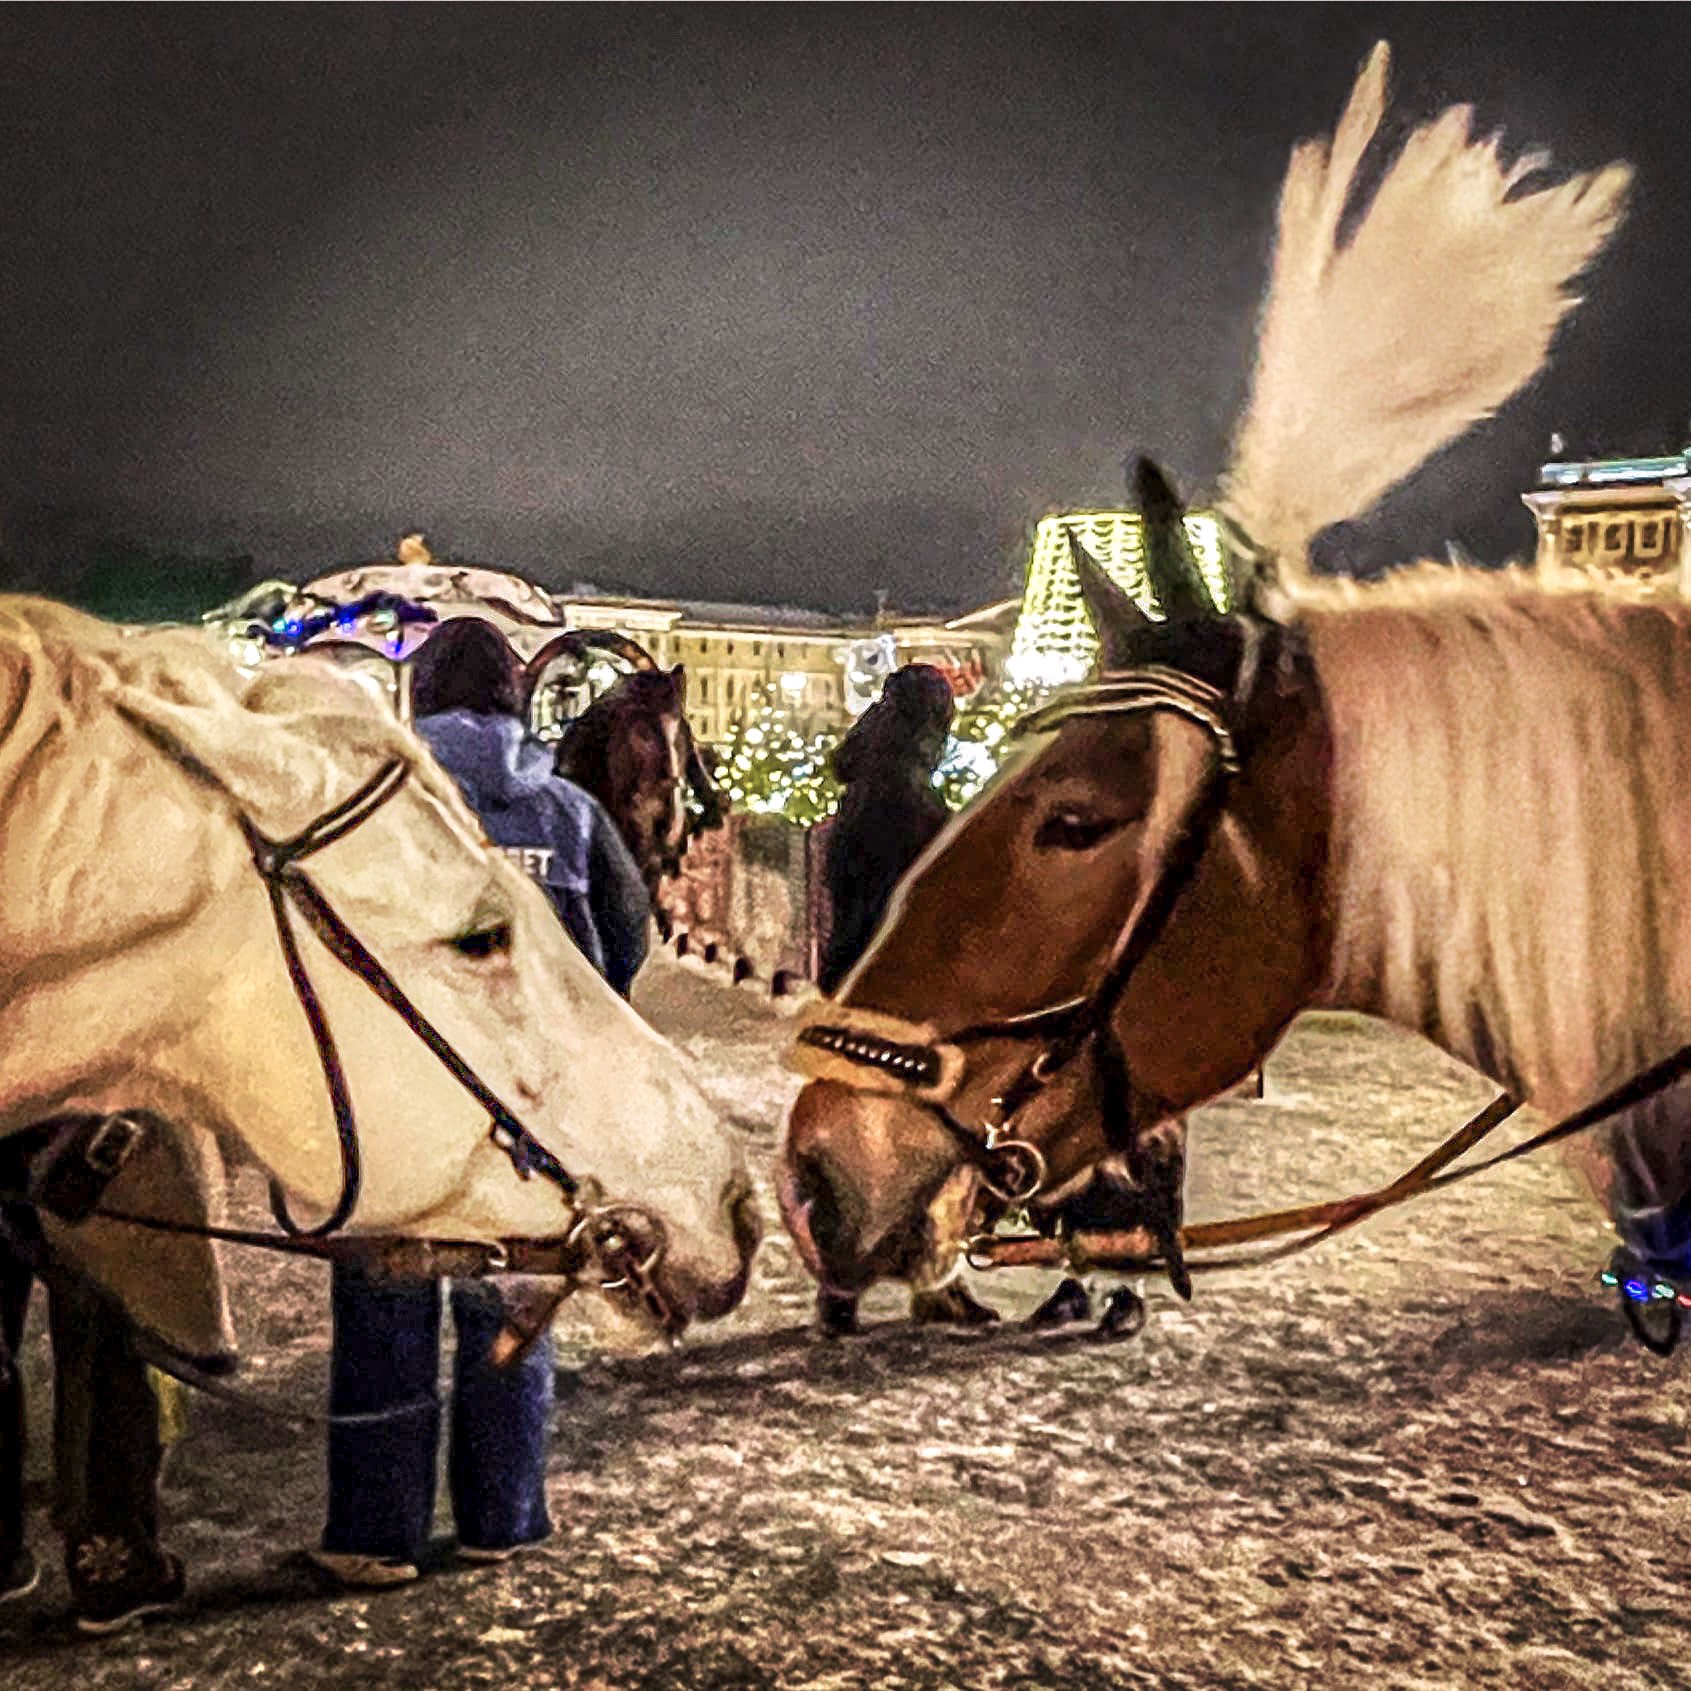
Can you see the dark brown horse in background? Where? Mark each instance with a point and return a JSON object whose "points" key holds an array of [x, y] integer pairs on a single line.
{"points": [[633, 749]]}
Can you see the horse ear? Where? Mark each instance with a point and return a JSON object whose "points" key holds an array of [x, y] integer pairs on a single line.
{"points": [[1169, 566], [678, 680], [1117, 621]]}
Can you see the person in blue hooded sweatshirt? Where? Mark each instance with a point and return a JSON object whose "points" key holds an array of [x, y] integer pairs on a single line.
{"points": [[467, 702]]}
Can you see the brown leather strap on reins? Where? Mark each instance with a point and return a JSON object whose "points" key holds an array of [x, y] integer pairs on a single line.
{"points": [[385, 1253], [1133, 1250]]}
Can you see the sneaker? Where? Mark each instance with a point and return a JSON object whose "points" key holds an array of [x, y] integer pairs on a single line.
{"points": [[116, 1584], [367, 1573], [475, 1553], [1065, 1307], [21, 1576], [1124, 1314]]}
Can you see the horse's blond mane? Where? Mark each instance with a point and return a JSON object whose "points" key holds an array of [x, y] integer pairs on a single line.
{"points": [[1508, 768], [1429, 583]]}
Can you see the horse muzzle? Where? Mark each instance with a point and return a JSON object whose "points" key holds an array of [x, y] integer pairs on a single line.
{"points": [[853, 1181], [692, 1286]]}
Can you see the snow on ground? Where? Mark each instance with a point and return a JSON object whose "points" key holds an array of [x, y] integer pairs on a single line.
{"points": [[1425, 1456]]}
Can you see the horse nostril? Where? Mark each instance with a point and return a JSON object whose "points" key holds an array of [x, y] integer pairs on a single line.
{"points": [[829, 1226], [744, 1216]]}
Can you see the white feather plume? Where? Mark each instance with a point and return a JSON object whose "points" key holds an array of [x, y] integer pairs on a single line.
{"points": [[1373, 354]]}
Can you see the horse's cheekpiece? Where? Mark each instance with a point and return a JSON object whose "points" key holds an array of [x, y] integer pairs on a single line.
{"points": [[1653, 1301]]}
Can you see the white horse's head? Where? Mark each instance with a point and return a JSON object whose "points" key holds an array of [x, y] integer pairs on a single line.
{"points": [[140, 967]]}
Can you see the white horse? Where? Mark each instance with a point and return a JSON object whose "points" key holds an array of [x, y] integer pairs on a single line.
{"points": [[141, 968]]}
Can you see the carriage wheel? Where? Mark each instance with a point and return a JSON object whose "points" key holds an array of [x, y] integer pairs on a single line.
{"points": [[1656, 1325]]}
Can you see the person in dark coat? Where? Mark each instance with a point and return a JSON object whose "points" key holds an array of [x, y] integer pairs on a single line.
{"points": [[467, 703], [107, 1452], [890, 811]]}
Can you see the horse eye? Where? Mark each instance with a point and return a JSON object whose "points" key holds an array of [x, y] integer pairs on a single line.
{"points": [[1073, 830], [492, 941]]}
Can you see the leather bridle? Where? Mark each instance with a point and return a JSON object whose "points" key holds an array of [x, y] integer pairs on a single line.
{"points": [[1014, 1169], [625, 1242], [277, 862]]}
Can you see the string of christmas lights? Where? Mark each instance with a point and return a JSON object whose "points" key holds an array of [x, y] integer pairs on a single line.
{"points": [[768, 765]]}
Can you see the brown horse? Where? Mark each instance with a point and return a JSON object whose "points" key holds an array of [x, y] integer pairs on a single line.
{"points": [[633, 749], [1462, 804]]}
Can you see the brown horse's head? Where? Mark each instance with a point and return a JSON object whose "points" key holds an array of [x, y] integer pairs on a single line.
{"points": [[1045, 893], [633, 750]]}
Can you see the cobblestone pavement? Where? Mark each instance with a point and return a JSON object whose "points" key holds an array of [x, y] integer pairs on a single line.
{"points": [[1425, 1456]]}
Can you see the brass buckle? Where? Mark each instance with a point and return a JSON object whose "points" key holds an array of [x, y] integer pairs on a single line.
{"points": [[112, 1143]]}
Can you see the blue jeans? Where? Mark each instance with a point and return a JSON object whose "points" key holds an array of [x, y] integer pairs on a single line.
{"points": [[386, 1363]]}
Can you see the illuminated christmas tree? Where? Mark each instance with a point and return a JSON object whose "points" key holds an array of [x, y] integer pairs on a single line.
{"points": [[767, 765], [1054, 643], [980, 740]]}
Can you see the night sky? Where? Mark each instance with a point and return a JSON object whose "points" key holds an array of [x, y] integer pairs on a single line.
{"points": [[757, 304]]}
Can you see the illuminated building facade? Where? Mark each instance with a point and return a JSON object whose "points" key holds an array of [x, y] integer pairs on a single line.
{"points": [[744, 658], [1616, 516]]}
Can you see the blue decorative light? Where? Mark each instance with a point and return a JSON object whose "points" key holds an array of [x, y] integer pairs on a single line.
{"points": [[385, 611]]}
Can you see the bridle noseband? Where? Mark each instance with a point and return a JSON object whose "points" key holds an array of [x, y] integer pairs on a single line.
{"points": [[1013, 1169]]}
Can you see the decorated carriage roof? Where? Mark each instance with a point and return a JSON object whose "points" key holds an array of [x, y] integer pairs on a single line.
{"points": [[390, 605], [523, 612]]}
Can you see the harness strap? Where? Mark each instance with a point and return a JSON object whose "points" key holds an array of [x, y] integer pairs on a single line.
{"points": [[528, 1156], [332, 825], [1319, 1222], [277, 862], [329, 1059]]}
